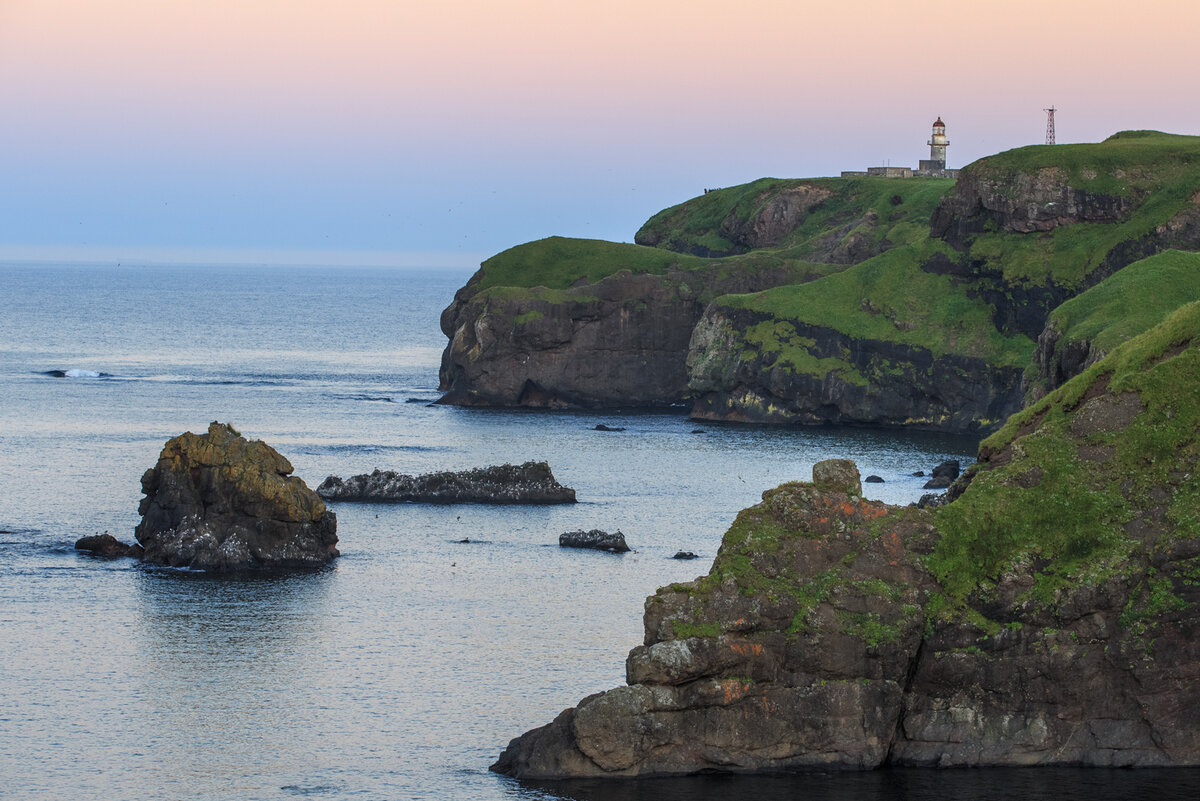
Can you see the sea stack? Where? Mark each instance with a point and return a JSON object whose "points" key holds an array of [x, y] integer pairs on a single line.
{"points": [[220, 502]]}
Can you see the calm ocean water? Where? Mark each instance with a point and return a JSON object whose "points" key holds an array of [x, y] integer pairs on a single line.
{"points": [[403, 670]]}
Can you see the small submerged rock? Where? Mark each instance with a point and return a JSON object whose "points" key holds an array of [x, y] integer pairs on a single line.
{"points": [[873, 480], [685, 555], [107, 546], [595, 539], [603, 427], [531, 482]]}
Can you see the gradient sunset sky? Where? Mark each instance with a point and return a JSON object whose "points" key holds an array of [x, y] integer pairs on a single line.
{"points": [[397, 132]]}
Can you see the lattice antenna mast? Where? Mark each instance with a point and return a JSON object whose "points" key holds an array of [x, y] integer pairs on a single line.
{"points": [[1049, 124]]}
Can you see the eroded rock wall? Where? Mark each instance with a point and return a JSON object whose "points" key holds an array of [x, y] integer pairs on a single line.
{"points": [[621, 341], [838, 379]]}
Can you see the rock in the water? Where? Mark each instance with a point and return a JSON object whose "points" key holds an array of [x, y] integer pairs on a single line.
{"points": [[948, 469], [595, 539], [919, 474], [603, 427], [873, 480], [685, 555], [108, 546], [938, 482], [531, 482], [218, 501]]}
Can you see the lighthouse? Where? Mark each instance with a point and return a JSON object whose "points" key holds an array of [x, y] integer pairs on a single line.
{"points": [[937, 145]]}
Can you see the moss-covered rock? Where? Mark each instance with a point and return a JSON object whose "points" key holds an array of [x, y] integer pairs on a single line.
{"points": [[218, 501]]}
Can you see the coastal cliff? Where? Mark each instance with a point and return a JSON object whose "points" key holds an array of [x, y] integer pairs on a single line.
{"points": [[581, 323], [583, 340], [1048, 615], [901, 302]]}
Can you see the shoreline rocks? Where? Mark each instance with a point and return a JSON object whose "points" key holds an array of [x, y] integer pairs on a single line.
{"points": [[528, 483], [220, 502], [595, 539]]}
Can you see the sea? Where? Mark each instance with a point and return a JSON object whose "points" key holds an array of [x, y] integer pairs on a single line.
{"points": [[404, 668]]}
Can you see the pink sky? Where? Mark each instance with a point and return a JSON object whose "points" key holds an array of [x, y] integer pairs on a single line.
{"points": [[466, 127]]}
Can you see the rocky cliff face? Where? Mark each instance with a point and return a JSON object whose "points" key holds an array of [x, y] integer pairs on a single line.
{"points": [[1048, 615], [620, 341], [1020, 202], [219, 502], [829, 377]]}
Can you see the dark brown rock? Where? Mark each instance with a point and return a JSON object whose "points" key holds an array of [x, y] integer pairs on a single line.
{"points": [[595, 540], [220, 502], [107, 546], [530, 483]]}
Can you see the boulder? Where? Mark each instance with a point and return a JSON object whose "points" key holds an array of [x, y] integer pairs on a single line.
{"points": [[531, 482], [685, 555], [107, 546], [837, 475], [873, 480], [949, 469], [594, 539], [220, 502], [938, 482]]}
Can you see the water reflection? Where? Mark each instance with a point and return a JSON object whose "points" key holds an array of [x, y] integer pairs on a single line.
{"points": [[980, 784]]}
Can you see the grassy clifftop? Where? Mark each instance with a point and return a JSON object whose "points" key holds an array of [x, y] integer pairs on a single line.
{"points": [[891, 299], [812, 217]]}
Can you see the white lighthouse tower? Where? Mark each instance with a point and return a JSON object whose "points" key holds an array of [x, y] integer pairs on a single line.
{"points": [[937, 147]]}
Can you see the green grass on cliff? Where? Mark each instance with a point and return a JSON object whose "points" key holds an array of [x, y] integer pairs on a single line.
{"points": [[890, 298], [1054, 497], [1126, 163], [903, 207], [1158, 173], [1130, 302], [559, 263]]}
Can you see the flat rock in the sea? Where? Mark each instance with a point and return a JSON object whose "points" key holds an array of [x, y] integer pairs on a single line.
{"points": [[595, 539], [220, 502], [107, 546], [531, 482]]}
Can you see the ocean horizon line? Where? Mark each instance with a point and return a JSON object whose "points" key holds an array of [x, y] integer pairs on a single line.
{"points": [[292, 257]]}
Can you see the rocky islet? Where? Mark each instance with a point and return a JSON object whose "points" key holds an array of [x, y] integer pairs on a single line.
{"points": [[528, 483], [219, 502]]}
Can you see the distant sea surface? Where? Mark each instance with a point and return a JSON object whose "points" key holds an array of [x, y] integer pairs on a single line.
{"points": [[401, 671]]}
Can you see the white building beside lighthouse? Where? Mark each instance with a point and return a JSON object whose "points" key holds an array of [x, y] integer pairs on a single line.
{"points": [[932, 167]]}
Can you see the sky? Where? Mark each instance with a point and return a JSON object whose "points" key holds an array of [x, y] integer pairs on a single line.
{"points": [[440, 132]]}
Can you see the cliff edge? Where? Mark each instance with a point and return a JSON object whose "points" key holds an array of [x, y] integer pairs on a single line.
{"points": [[1049, 615]]}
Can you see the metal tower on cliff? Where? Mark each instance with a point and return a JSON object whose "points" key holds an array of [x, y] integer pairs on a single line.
{"points": [[1049, 124]]}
